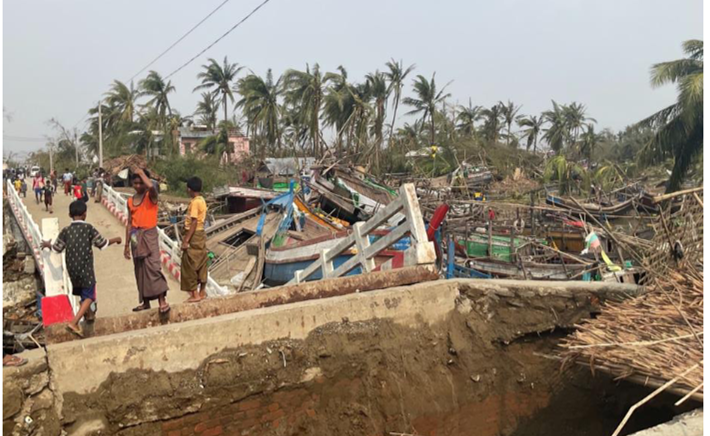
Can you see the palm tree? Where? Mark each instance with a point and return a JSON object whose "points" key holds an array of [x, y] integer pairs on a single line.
{"points": [[295, 133], [396, 75], [426, 100], [678, 127], [157, 89], [361, 117], [567, 173], [576, 119], [409, 134], [338, 104], [207, 110], [508, 112], [589, 140], [492, 124], [467, 117], [260, 103], [219, 77], [533, 127], [557, 133], [123, 99], [305, 89], [218, 144], [378, 90]]}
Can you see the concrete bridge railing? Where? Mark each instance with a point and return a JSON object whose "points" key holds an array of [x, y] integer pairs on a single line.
{"points": [[170, 251], [51, 265]]}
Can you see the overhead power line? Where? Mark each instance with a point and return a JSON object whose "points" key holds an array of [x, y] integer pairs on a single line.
{"points": [[262, 4], [178, 41]]}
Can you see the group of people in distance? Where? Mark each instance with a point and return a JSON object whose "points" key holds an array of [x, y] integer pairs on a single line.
{"points": [[42, 187], [141, 245]]}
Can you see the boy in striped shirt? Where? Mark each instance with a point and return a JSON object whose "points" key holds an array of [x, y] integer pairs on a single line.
{"points": [[77, 241]]}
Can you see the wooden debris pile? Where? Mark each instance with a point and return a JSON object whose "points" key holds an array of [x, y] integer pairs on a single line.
{"points": [[678, 238], [651, 339]]}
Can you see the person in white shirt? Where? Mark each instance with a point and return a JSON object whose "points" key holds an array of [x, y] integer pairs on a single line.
{"points": [[67, 178]]}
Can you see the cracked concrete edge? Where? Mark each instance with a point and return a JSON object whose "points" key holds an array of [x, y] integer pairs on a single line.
{"points": [[37, 363], [686, 424], [161, 348]]}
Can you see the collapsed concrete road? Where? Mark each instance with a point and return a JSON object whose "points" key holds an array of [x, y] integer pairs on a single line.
{"points": [[456, 357]]}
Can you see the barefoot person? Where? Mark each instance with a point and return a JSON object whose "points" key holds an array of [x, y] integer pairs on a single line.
{"points": [[48, 194], [77, 240], [193, 271], [142, 242]]}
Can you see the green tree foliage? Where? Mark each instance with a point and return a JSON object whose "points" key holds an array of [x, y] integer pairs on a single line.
{"points": [[467, 118], [509, 111], [207, 110], [157, 90], [426, 100], [678, 127], [493, 123], [178, 169], [304, 91], [314, 112], [532, 127], [260, 104], [396, 75], [219, 78], [568, 174]]}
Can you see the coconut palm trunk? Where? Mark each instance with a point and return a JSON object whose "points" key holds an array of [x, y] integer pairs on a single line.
{"points": [[224, 103]]}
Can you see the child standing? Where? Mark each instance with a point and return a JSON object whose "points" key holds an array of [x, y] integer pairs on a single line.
{"points": [[23, 188], [193, 273], [17, 183], [78, 195], [48, 194], [77, 240]]}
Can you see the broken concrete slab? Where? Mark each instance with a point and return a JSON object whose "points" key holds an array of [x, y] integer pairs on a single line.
{"points": [[686, 424]]}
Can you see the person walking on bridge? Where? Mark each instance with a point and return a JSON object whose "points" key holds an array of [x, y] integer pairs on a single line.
{"points": [[77, 241], [142, 242], [38, 186], [67, 179]]}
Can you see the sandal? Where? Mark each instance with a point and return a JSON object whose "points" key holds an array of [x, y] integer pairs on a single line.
{"points": [[140, 308], [10, 360], [165, 309], [74, 330]]}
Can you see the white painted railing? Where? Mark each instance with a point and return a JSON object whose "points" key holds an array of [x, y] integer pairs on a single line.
{"points": [[29, 228], [51, 266], [167, 245], [421, 251]]}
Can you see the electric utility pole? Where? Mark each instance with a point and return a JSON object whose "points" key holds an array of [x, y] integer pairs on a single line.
{"points": [[101, 140]]}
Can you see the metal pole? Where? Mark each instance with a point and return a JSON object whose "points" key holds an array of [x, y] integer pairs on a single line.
{"points": [[51, 159], [101, 140]]}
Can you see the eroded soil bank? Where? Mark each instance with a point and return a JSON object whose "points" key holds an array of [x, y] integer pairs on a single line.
{"points": [[484, 370]]}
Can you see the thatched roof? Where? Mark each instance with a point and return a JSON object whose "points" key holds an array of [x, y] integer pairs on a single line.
{"points": [[653, 338]]}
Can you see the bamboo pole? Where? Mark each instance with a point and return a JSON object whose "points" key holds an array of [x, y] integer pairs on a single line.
{"points": [[650, 396], [661, 198]]}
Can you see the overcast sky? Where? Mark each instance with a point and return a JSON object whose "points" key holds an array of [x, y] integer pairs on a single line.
{"points": [[61, 56]]}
